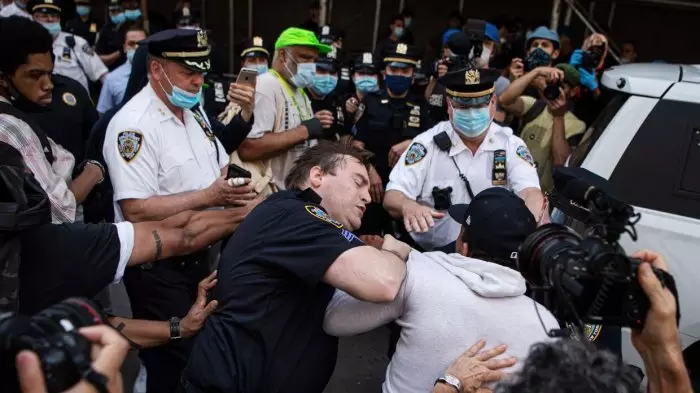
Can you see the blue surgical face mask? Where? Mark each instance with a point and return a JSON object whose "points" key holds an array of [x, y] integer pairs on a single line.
{"points": [[83, 10], [398, 32], [118, 19], [471, 122], [181, 98], [53, 27], [398, 84], [262, 68], [407, 21], [130, 55], [132, 14], [304, 76], [366, 84], [324, 84]]}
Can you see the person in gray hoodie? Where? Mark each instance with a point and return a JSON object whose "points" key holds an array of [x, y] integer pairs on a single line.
{"points": [[450, 301]]}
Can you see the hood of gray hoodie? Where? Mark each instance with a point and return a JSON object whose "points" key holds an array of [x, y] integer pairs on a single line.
{"points": [[484, 278]]}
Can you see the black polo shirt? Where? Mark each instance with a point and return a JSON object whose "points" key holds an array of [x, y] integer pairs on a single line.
{"points": [[71, 117], [267, 333], [111, 39], [59, 261], [86, 29]]}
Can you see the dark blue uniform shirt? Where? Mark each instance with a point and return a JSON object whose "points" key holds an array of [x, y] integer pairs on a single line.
{"points": [[266, 335]]}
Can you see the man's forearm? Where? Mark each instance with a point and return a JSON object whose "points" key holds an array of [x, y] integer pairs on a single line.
{"points": [[161, 207], [208, 227], [394, 202], [666, 371], [560, 147], [110, 58], [83, 184], [430, 88], [272, 144], [516, 89], [143, 333], [534, 200]]}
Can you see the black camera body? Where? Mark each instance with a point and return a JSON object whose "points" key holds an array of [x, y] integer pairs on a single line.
{"points": [[53, 335], [591, 58], [589, 279], [551, 92]]}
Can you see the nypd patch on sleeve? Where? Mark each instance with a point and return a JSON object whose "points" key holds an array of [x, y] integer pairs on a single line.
{"points": [[416, 152], [524, 153], [129, 143], [322, 215]]}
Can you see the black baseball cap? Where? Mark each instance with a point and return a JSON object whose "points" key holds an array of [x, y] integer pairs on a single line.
{"points": [[495, 222]]}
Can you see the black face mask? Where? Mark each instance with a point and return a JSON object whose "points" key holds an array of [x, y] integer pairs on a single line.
{"points": [[23, 203], [21, 102]]}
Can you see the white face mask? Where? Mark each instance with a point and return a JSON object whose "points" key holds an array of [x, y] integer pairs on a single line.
{"points": [[483, 61]]}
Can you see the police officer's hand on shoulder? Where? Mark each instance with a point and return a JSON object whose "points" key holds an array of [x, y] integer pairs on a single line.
{"points": [[419, 218], [200, 311]]}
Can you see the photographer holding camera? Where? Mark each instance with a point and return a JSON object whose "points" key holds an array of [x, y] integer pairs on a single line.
{"points": [[542, 47], [548, 128]]}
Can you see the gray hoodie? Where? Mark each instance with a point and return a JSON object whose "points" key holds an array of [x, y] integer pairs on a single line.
{"points": [[446, 304]]}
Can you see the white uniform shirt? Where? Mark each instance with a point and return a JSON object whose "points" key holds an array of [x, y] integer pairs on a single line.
{"points": [[150, 152], [436, 169], [272, 102], [66, 62], [12, 10]]}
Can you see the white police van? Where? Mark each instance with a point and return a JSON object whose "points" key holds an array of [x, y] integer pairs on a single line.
{"points": [[646, 142]]}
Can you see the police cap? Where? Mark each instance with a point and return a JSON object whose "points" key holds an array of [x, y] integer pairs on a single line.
{"points": [[401, 55], [189, 48], [186, 16], [330, 34], [458, 44], [47, 6], [254, 47], [329, 61], [84, 2], [365, 63], [470, 86], [115, 4]]}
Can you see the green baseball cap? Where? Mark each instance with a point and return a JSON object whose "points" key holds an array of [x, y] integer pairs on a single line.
{"points": [[295, 36], [571, 74]]}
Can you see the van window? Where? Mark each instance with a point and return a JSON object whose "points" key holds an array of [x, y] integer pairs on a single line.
{"points": [[660, 170], [593, 133]]}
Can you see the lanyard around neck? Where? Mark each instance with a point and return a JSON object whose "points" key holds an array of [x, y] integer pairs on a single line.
{"points": [[306, 114]]}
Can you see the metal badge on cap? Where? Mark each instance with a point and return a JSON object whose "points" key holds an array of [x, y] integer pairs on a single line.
{"points": [[472, 77], [326, 30], [202, 39], [257, 41], [185, 12], [401, 49], [367, 58]]}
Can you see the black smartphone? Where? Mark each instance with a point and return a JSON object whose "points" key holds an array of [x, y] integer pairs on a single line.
{"points": [[235, 171]]}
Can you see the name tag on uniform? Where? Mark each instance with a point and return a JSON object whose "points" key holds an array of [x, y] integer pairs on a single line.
{"points": [[219, 92], [66, 55], [499, 176], [93, 27], [435, 100]]}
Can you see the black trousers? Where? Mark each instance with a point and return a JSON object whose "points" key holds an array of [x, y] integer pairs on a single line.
{"points": [[158, 292]]}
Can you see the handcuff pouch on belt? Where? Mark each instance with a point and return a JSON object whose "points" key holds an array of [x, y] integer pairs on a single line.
{"points": [[499, 176]]}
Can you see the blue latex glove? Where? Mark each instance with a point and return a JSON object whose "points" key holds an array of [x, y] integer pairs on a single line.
{"points": [[576, 58], [588, 79]]}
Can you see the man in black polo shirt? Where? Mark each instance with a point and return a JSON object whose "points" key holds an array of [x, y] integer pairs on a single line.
{"points": [[278, 273]]}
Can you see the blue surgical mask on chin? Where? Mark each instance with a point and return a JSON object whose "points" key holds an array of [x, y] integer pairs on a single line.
{"points": [[304, 76], [180, 97], [471, 122], [324, 84], [118, 19], [366, 84], [398, 84], [132, 14], [53, 27], [83, 10], [130, 55], [262, 68]]}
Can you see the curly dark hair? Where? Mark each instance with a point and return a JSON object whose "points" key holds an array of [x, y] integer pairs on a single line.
{"points": [[571, 366], [19, 38]]}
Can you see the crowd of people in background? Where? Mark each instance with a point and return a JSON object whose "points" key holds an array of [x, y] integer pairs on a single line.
{"points": [[318, 193]]}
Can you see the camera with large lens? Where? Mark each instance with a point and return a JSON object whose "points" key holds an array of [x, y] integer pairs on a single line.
{"points": [[53, 335], [551, 92], [588, 279], [466, 47], [590, 59]]}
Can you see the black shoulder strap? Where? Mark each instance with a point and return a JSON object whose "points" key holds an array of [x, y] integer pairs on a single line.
{"points": [[70, 41], [532, 113], [46, 146]]}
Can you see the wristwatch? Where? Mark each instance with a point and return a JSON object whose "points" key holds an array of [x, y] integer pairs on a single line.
{"points": [[450, 380], [175, 328]]}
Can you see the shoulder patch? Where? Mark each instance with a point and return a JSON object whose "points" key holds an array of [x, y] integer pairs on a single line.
{"points": [[88, 50], [592, 332], [416, 152], [322, 215], [129, 143], [69, 99], [524, 153]]}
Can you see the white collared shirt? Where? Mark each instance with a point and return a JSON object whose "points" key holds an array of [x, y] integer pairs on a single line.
{"points": [[12, 10], [66, 62], [150, 152], [436, 169]]}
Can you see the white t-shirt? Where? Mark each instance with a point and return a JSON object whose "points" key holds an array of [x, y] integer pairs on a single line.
{"points": [[12, 10], [276, 110]]}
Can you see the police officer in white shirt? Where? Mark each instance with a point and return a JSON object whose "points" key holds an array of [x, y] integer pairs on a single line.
{"points": [[74, 57], [164, 159], [17, 7], [457, 159]]}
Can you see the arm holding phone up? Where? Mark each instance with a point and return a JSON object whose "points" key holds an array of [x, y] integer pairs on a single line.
{"points": [[241, 95]]}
